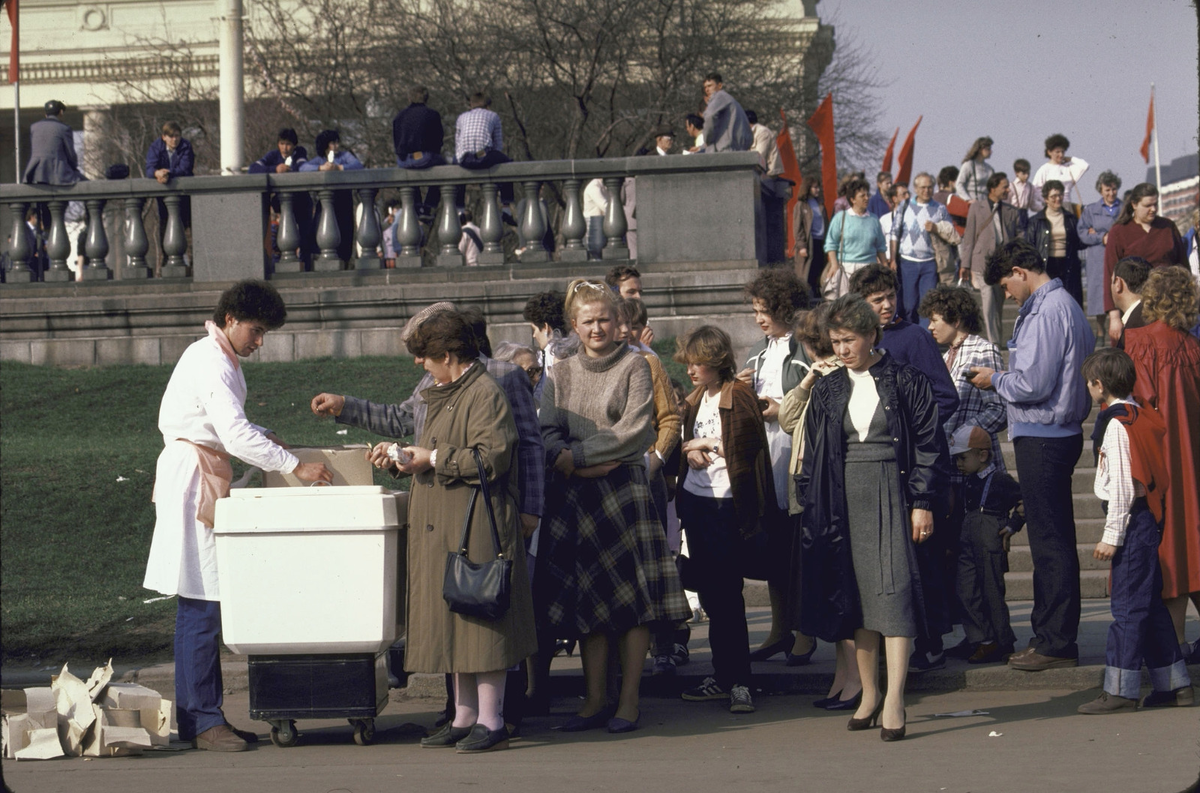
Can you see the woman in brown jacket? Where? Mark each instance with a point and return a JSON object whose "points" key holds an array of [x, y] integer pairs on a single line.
{"points": [[726, 494], [467, 412]]}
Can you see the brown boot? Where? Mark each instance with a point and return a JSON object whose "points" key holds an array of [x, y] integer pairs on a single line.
{"points": [[220, 739]]}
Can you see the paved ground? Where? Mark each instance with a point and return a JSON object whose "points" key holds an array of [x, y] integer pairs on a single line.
{"points": [[1043, 744]]}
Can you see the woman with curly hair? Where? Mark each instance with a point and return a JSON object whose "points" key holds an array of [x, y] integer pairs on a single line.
{"points": [[1068, 170], [1139, 231], [975, 171], [604, 572], [855, 239], [1053, 232], [774, 366], [1094, 224], [1167, 360]]}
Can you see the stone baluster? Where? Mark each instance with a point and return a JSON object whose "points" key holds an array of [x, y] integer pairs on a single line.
{"points": [[174, 242], [490, 227], [574, 226], [58, 245], [287, 237], [408, 230], [329, 237], [19, 250], [96, 246], [137, 244], [449, 231], [615, 225], [368, 234], [533, 225]]}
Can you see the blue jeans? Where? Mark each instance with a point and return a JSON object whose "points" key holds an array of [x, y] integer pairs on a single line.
{"points": [[428, 160], [1141, 628], [916, 278], [595, 236], [198, 686]]}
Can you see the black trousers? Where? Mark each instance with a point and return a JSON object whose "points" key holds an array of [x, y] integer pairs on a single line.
{"points": [[714, 551], [1045, 467]]}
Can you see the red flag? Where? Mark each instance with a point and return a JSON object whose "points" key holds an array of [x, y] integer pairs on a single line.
{"points": [[1149, 129], [887, 155], [821, 123], [13, 55], [905, 160], [791, 171]]}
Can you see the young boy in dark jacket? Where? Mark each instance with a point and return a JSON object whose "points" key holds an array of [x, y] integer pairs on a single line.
{"points": [[991, 501], [1131, 480]]}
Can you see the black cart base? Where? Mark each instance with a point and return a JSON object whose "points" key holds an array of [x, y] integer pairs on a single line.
{"points": [[352, 686]]}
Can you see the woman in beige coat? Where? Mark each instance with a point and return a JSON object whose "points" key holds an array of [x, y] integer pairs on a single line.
{"points": [[467, 411]]}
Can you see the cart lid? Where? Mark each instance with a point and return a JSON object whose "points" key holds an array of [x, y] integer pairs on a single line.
{"points": [[307, 509]]}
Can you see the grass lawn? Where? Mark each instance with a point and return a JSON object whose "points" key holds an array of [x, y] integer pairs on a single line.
{"points": [[74, 539]]}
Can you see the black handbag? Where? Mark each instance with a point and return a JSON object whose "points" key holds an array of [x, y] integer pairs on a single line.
{"points": [[478, 590]]}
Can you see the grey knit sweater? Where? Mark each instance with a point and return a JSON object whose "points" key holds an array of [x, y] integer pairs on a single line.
{"points": [[602, 409]]}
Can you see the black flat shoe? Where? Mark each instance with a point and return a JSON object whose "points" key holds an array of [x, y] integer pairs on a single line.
{"points": [[895, 735], [803, 658], [772, 650], [846, 704], [855, 725], [579, 723], [827, 701], [482, 739], [445, 737]]}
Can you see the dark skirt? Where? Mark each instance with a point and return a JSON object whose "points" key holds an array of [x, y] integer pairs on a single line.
{"points": [[603, 563]]}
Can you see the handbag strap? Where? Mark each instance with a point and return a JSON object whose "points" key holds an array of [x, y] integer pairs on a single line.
{"points": [[487, 500]]}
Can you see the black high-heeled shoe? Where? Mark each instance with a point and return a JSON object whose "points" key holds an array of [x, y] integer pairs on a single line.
{"points": [[772, 650], [895, 735], [854, 725], [827, 701], [803, 658], [846, 704]]}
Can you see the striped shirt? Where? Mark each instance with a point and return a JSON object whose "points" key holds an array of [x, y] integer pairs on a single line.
{"points": [[984, 409]]}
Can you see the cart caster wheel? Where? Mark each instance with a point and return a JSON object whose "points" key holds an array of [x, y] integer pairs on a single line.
{"points": [[283, 733], [364, 731]]}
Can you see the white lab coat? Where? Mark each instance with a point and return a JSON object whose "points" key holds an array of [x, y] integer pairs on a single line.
{"points": [[205, 404]]}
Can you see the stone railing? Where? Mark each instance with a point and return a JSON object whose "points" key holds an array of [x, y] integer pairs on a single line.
{"points": [[699, 208]]}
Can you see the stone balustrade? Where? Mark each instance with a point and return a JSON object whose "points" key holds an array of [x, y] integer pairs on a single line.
{"points": [[699, 208]]}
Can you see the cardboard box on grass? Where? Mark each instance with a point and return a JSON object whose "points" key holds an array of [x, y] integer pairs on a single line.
{"points": [[348, 464]]}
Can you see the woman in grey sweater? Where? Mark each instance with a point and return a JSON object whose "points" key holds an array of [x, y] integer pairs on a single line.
{"points": [[604, 571]]}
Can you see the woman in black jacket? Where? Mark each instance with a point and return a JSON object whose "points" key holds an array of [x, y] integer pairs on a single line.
{"points": [[1053, 232], [874, 458]]}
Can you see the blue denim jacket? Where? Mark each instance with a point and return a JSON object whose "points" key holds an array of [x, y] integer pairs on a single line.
{"points": [[1043, 387]]}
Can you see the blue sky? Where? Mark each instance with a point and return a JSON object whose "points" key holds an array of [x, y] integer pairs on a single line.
{"points": [[1019, 70]]}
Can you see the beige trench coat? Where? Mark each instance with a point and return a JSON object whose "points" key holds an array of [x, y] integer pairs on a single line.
{"points": [[472, 412]]}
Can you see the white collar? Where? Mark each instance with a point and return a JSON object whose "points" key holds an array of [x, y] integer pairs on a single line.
{"points": [[1126, 315]]}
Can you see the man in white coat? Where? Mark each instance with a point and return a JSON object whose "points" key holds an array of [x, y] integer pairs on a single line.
{"points": [[203, 421]]}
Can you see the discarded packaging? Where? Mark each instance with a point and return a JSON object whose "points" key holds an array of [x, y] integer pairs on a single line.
{"points": [[960, 713]]}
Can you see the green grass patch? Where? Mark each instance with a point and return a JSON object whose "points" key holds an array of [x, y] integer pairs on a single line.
{"points": [[74, 540]]}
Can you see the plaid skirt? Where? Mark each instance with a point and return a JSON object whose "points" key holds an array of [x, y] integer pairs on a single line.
{"points": [[603, 563]]}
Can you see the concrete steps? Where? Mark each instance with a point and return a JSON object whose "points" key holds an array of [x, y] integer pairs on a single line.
{"points": [[1092, 584]]}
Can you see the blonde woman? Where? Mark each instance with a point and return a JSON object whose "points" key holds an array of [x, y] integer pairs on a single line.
{"points": [[604, 570]]}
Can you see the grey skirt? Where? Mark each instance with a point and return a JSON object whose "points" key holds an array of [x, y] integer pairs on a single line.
{"points": [[880, 546]]}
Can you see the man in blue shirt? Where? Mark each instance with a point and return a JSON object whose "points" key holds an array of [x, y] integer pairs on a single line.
{"points": [[878, 205], [287, 157], [171, 157], [1047, 403]]}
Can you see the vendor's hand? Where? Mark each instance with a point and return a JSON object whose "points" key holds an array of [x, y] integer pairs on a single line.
{"points": [[598, 471], [275, 439], [1104, 552], [565, 463], [328, 404], [980, 377], [654, 465], [313, 472], [698, 460], [378, 456], [771, 411], [529, 524], [747, 375], [419, 462], [647, 335], [922, 525]]}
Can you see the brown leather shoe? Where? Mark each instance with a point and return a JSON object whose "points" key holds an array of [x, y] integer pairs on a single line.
{"points": [[1107, 703], [1181, 698], [990, 653], [1020, 654], [220, 739], [1036, 662]]}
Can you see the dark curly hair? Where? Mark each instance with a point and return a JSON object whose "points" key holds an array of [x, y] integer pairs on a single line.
{"points": [[546, 308], [873, 279], [251, 301], [810, 330], [1057, 141], [781, 290], [444, 332], [854, 187], [954, 304], [1014, 253]]}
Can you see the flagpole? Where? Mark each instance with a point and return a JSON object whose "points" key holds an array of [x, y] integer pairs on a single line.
{"points": [[17, 126], [1157, 165]]}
